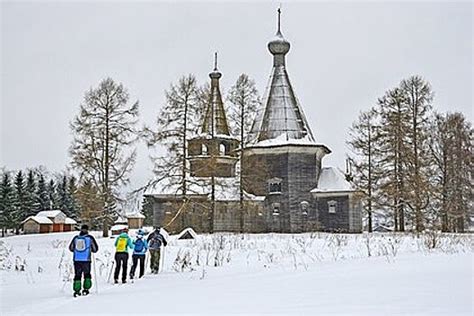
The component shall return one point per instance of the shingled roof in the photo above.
(281, 116)
(215, 121)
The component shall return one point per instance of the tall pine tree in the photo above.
(6, 203)
(31, 203)
(43, 201)
(20, 200)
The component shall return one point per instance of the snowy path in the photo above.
(410, 284)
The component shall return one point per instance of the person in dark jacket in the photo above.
(82, 246)
(155, 241)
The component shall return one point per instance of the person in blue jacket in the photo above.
(122, 243)
(140, 247)
(82, 246)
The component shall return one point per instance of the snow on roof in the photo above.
(331, 180)
(136, 215)
(52, 213)
(283, 140)
(118, 227)
(226, 189)
(38, 219)
(70, 221)
(186, 231)
(121, 220)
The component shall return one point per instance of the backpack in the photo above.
(80, 244)
(139, 245)
(155, 242)
(121, 244)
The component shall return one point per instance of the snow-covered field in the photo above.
(302, 274)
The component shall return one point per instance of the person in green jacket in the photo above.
(122, 244)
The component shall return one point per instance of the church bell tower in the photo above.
(213, 152)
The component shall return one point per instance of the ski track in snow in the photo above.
(317, 274)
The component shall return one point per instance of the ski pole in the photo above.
(110, 272)
(95, 275)
(162, 258)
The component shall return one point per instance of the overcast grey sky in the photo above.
(343, 56)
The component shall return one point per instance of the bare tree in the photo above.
(418, 97)
(245, 100)
(451, 150)
(176, 121)
(363, 142)
(394, 124)
(104, 132)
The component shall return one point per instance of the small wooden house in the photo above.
(135, 221)
(48, 222)
(37, 225)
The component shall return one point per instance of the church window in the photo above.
(304, 207)
(274, 186)
(222, 149)
(203, 149)
(276, 209)
(332, 205)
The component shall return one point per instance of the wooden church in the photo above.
(285, 186)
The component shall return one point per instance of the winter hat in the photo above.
(140, 233)
(84, 227)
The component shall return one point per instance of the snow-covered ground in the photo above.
(303, 274)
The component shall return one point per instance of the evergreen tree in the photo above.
(53, 198)
(147, 211)
(20, 201)
(43, 201)
(73, 204)
(63, 197)
(31, 199)
(6, 203)
(104, 132)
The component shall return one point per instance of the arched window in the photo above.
(222, 150)
(304, 207)
(203, 149)
(332, 205)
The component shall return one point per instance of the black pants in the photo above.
(135, 259)
(80, 268)
(121, 260)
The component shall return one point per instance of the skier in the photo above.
(155, 240)
(82, 245)
(122, 243)
(140, 246)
